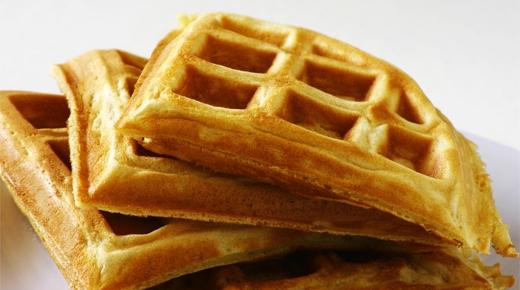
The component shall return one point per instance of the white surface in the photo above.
(26, 265)
(464, 54)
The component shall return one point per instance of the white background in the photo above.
(464, 54)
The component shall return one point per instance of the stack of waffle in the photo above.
(248, 155)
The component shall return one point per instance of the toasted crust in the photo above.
(316, 116)
(96, 250)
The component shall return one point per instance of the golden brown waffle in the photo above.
(100, 250)
(112, 172)
(323, 119)
(327, 270)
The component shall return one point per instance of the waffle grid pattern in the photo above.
(306, 86)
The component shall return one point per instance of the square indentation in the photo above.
(341, 83)
(408, 111)
(216, 91)
(413, 151)
(260, 32)
(330, 51)
(61, 149)
(130, 84)
(132, 225)
(315, 116)
(133, 66)
(43, 111)
(236, 55)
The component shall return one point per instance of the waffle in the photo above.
(114, 173)
(314, 115)
(101, 250)
(347, 270)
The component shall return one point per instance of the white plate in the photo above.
(25, 264)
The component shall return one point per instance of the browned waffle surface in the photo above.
(319, 117)
(347, 270)
(115, 173)
(100, 250)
